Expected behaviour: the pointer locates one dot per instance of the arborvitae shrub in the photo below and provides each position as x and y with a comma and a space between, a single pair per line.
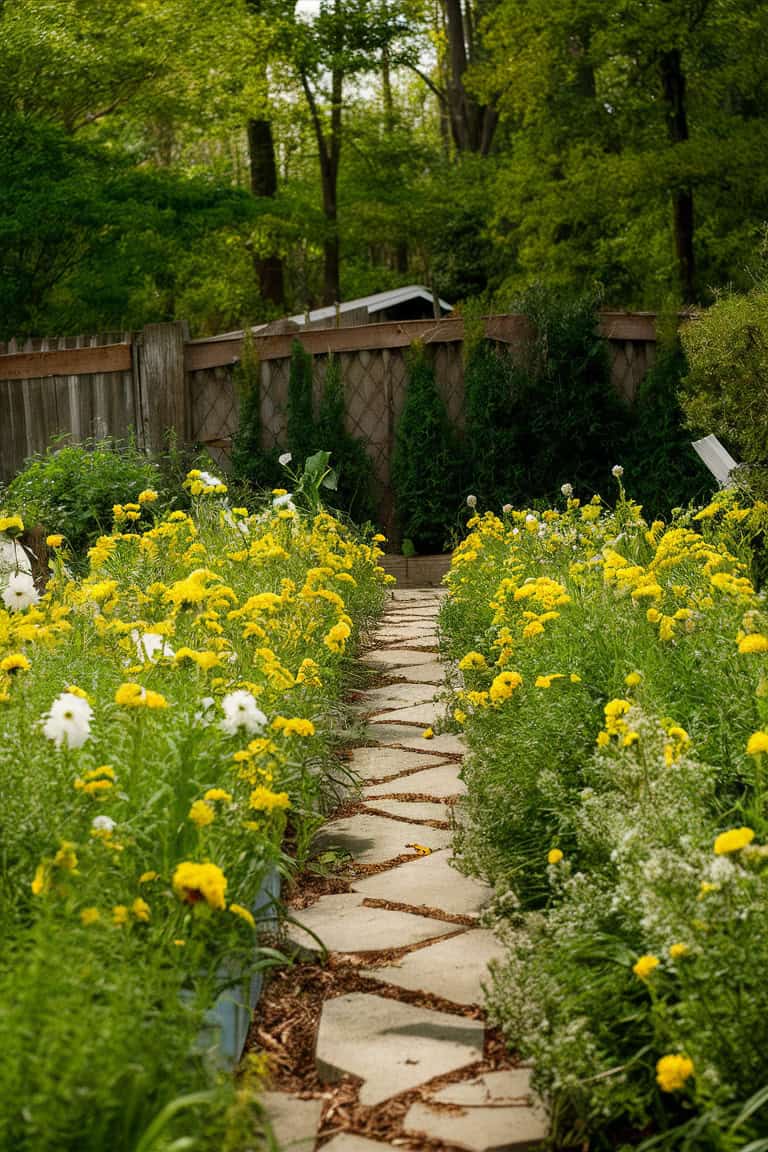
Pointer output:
302, 433
425, 461
348, 455
251, 463
491, 428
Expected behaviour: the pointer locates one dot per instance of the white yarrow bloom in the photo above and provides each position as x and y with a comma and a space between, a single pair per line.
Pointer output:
617, 471
210, 480
285, 501
567, 490
506, 509
20, 592
472, 501
285, 459
103, 824
151, 645
242, 711
69, 721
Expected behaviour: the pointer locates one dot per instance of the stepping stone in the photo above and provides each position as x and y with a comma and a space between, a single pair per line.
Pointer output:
373, 839
494, 1113
344, 924
294, 1122
391, 1046
429, 673
397, 657
413, 810
394, 696
411, 594
429, 882
351, 1142
417, 637
438, 782
381, 763
454, 969
425, 714
410, 736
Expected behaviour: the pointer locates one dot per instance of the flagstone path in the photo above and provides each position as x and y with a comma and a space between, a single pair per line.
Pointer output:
409, 923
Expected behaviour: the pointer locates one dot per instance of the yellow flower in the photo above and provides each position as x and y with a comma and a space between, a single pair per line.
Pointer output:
264, 800
554, 856
134, 696
201, 814
148, 496
471, 661
194, 883
673, 1071
120, 914
140, 909
603, 740
428, 734
644, 966
243, 913
547, 681
294, 727
632, 680
733, 840
336, 638
11, 524
66, 857
41, 881
753, 643
757, 743
16, 662
504, 685
459, 716
55, 540
89, 916
148, 877
218, 794
678, 950
535, 628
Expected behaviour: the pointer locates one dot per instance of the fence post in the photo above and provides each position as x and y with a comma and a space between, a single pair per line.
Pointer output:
163, 393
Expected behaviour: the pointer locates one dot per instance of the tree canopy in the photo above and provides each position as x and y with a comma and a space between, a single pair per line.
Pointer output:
224, 160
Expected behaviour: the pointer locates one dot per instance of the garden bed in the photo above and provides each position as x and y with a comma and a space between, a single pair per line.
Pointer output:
167, 721
614, 697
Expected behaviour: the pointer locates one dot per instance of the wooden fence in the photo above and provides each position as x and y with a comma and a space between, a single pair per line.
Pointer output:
144, 384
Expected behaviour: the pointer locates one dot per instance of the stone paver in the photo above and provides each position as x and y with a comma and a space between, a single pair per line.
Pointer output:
294, 1122
428, 882
411, 594
424, 714
373, 839
391, 1046
344, 924
397, 657
412, 809
429, 673
381, 763
392, 695
438, 782
409, 638
485, 1121
411, 736
349, 1142
455, 969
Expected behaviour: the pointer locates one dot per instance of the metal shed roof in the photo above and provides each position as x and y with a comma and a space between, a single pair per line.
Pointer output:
378, 302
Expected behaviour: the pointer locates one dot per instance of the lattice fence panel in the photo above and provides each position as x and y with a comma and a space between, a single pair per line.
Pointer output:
214, 406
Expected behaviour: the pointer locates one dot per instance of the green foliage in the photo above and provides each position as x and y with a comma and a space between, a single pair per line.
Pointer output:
251, 462
72, 489
491, 425
726, 389
302, 434
425, 463
350, 460
660, 465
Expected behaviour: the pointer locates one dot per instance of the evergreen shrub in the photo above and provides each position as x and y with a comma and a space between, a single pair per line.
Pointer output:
348, 455
252, 464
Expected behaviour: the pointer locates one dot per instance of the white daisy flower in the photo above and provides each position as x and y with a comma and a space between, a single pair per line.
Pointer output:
285, 459
20, 592
69, 721
241, 711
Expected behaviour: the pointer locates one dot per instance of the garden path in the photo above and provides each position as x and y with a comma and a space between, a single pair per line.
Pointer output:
404, 1030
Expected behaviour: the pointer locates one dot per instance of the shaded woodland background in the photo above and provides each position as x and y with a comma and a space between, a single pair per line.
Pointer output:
224, 160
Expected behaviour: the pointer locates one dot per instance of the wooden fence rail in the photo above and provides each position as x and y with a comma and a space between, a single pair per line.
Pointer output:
143, 384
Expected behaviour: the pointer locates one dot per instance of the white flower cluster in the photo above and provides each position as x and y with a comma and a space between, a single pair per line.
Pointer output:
20, 592
242, 711
68, 722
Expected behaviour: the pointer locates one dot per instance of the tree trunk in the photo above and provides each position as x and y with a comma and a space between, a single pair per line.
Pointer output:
472, 124
674, 90
329, 154
263, 170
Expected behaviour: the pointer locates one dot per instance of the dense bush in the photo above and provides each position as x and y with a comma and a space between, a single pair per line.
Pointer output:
252, 464
613, 695
425, 462
72, 489
302, 431
726, 388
